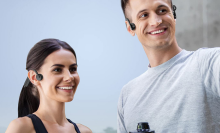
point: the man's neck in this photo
(159, 56)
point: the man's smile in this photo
(158, 31)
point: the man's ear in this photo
(129, 28)
(32, 77)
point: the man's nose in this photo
(154, 20)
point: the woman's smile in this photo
(66, 88)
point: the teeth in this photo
(156, 32)
(66, 88)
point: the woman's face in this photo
(60, 76)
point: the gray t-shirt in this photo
(181, 95)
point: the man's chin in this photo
(157, 44)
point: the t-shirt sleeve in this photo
(209, 65)
(120, 115)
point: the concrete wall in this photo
(198, 23)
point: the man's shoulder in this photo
(204, 55)
(205, 51)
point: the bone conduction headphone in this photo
(39, 77)
(133, 27)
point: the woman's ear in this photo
(129, 28)
(32, 77)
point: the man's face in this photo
(155, 24)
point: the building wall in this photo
(198, 23)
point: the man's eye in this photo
(162, 11)
(73, 69)
(144, 15)
(57, 70)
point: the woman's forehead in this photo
(61, 56)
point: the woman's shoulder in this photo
(83, 129)
(21, 125)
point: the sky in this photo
(108, 56)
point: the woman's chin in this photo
(66, 99)
(69, 100)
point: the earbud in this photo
(39, 76)
(174, 11)
(132, 25)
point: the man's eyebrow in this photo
(60, 65)
(147, 9)
(141, 11)
(161, 6)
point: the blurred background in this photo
(108, 56)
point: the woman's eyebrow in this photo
(73, 65)
(60, 65)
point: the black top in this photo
(39, 126)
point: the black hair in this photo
(29, 96)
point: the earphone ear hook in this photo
(38, 76)
(174, 11)
(132, 25)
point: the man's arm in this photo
(209, 64)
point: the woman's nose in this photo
(68, 76)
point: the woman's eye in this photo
(57, 70)
(144, 15)
(73, 69)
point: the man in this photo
(180, 91)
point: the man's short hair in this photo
(124, 4)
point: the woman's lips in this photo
(68, 89)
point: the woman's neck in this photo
(51, 111)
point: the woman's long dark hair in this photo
(29, 96)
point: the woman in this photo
(52, 81)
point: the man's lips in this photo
(157, 31)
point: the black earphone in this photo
(39, 77)
(132, 25)
(174, 11)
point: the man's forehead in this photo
(136, 4)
